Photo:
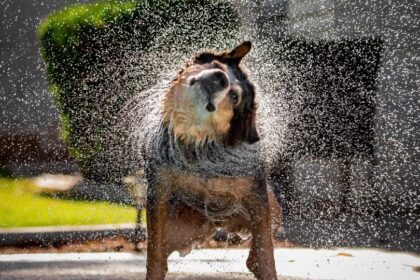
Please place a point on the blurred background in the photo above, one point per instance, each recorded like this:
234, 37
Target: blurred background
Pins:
342, 138
30, 142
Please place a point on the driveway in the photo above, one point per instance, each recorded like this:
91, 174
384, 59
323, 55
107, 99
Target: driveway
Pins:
292, 264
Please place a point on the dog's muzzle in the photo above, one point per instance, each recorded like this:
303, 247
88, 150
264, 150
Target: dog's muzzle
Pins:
212, 82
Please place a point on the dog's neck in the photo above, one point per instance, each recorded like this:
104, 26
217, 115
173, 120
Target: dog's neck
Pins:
209, 159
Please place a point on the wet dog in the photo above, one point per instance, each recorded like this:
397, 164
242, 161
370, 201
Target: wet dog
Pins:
203, 162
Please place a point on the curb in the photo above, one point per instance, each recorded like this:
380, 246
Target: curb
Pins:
45, 236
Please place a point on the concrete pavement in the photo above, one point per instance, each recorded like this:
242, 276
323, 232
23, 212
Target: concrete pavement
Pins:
291, 264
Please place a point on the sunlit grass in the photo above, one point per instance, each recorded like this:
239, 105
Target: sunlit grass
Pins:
21, 205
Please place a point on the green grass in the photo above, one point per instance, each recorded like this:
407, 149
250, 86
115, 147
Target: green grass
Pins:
21, 205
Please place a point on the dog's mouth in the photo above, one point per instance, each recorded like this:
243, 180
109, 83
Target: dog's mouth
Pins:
210, 107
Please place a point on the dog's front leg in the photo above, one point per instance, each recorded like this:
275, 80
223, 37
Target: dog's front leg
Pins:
157, 213
261, 257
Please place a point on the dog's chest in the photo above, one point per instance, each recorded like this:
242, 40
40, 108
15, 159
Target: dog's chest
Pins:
218, 197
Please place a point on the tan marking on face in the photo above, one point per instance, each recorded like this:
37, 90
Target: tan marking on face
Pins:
220, 65
182, 115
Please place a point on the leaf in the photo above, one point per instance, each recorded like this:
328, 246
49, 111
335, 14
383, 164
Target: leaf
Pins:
344, 255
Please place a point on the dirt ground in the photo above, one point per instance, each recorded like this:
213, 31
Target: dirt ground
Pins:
116, 244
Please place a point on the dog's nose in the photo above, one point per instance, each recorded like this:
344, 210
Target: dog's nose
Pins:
213, 81
221, 78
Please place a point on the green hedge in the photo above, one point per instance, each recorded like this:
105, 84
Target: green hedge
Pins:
98, 55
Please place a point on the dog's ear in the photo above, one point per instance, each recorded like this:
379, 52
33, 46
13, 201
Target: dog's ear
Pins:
251, 135
239, 52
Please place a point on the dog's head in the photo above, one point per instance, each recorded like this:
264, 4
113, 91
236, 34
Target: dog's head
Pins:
212, 99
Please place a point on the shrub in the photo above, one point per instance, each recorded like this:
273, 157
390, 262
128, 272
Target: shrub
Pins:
93, 51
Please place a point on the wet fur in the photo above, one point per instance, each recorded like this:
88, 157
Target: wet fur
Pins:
203, 175
179, 114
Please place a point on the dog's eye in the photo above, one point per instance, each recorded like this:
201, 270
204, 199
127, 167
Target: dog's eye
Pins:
233, 97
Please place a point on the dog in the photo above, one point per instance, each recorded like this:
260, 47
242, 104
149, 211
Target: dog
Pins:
202, 159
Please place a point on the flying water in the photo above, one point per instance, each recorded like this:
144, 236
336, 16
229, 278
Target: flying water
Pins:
338, 112
326, 117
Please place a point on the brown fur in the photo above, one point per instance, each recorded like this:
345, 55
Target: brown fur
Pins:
177, 225
234, 188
